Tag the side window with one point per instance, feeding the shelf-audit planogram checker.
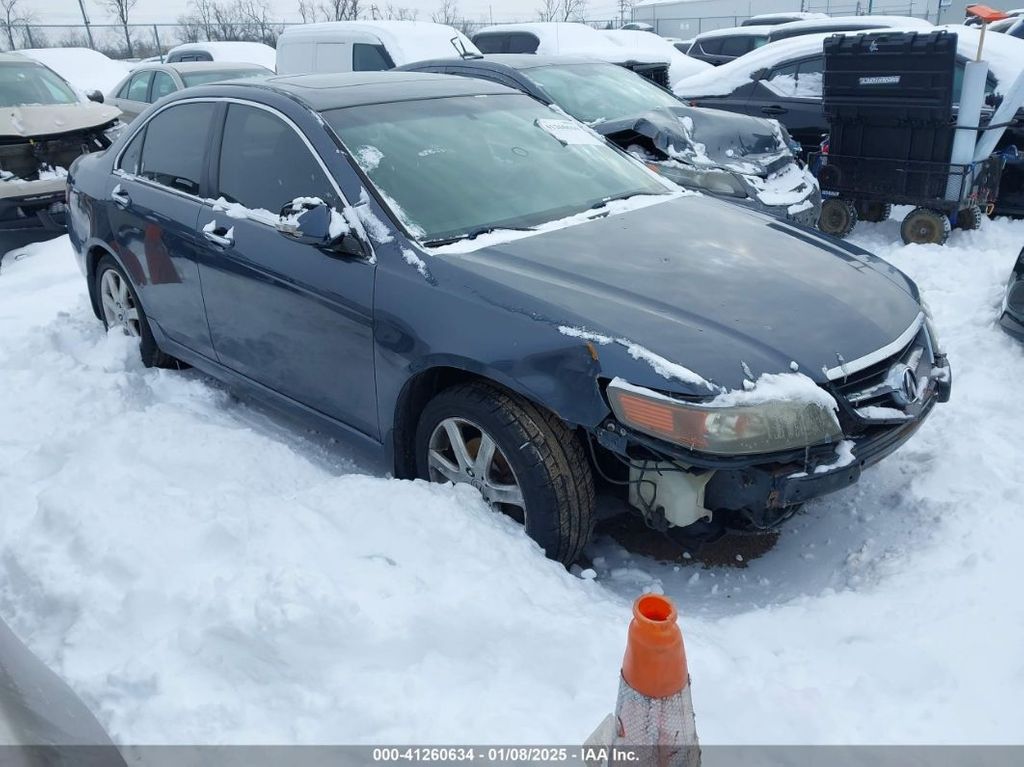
(735, 46)
(139, 86)
(522, 42)
(171, 154)
(163, 85)
(492, 43)
(712, 46)
(264, 164)
(782, 79)
(810, 78)
(130, 158)
(370, 58)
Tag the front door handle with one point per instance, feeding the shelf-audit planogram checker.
(772, 111)
(120, 197)
(219, 235)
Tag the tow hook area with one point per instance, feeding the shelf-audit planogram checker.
(667, 494)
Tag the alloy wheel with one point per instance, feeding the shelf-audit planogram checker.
(459, 451)
(119, 309)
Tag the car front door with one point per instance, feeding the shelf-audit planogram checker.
(791, 93)
(290, 316)
(153, 208)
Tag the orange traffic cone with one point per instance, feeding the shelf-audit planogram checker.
(653, 725)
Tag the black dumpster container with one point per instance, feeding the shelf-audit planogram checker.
(889, 100)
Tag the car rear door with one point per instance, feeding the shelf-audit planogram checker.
(791, 93)
(134, 95)
(284, 314)
(153, 208)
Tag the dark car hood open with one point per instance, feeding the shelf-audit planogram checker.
(706, 137)
(708, 285)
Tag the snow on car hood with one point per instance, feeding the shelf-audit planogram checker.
(708, 138)
(706, 285)
(39, 120)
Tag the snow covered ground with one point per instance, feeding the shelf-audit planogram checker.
(201, 571)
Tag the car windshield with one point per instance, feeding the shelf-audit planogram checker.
(192, 79)
(455, 167)
(591, 92)
(25, 84)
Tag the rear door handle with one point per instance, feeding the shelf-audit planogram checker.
(774, 110)
(219, 235)
(120, 197)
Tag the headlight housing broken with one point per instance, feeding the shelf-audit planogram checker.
(711, 180)
(766, 427)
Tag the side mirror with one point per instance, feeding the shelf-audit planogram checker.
(95, 96)
(759, 74)
(316, 224)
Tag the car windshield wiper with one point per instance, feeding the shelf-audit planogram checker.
(474, 233)
(628, 195)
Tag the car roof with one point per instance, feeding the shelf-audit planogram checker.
(752, 31)
(184, 67)
(520, 61)
(17, 58)
(323, 92)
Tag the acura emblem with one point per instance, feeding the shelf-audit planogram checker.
(903, 383)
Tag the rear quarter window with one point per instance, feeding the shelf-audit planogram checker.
(492, 43)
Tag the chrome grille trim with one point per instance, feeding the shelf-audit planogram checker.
(853, 366)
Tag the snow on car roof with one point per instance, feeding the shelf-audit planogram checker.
(572, 38)
(1004, 54)
(246, 53)
(405, 41)
(767, 17)
(87, 70)
(751, 31)
(904, 22)
(648, 43)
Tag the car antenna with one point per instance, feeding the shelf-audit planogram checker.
(460, 48)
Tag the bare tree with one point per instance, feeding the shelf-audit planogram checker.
(393, 12)
(329, 10)
(448, 13)
(120, 9)
(12, 15)
(574, 10)
(548, 11)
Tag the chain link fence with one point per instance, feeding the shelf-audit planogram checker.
(138, 41)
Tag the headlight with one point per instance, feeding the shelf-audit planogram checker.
(714, 181)
(929, 324)
(767, 427)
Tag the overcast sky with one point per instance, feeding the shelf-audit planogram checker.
(67, 11)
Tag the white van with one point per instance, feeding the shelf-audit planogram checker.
(361, 46)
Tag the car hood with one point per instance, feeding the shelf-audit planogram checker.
(50, 120)
(711, 286)
(707, 138)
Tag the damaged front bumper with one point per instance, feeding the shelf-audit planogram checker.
(674, 487)
(31, 211)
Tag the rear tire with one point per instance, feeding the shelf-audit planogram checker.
(873, 211)
(838, 217)
(534, 451)
(120, 307)
(925, 226)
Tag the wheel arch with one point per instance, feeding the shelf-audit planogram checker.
(427, 383)
(94, 252)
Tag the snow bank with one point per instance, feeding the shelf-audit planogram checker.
(87, 70)
(202, 572)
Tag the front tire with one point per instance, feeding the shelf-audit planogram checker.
(525, 461)
(120, 308)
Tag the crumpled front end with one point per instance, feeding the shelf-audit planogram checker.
(33, 173)
(744, 159)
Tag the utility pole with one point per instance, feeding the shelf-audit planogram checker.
(88, 29)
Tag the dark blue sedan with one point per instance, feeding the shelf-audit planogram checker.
(479, 289)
